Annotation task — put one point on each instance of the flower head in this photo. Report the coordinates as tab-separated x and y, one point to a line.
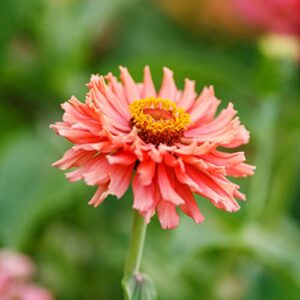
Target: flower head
167	142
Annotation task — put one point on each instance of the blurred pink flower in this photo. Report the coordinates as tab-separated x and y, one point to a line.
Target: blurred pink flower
167	140
15	265
16	271
31	292
275	16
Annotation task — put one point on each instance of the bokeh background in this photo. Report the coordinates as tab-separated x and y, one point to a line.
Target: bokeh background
48	50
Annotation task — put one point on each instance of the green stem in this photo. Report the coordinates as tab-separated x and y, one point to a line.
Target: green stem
138	233
266	121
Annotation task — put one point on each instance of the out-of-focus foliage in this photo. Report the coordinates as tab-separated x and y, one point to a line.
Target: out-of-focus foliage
48	49
209	17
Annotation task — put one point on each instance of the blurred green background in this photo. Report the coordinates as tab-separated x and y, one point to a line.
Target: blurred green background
48	50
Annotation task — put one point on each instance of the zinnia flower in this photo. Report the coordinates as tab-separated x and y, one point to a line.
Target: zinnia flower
167	142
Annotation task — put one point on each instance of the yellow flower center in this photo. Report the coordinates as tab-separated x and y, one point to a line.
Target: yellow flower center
158	120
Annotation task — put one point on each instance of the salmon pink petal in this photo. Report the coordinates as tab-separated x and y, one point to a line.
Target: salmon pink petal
98	173
190	206
100	195
148	214
77	112
155	154
203	165
183	177
95	178
94	171
104	146
115	127
205	107
120	177
124	158
118	104
73	158
232	162
167	188
188	97
170	160
98	90
211	190
225	159
145	171
131	89
222	120
195	148
241	170
168	88
107	113
118	90
167	215
224	130
239	195
81	123
143	196
226	185
241	137
76	136
148	89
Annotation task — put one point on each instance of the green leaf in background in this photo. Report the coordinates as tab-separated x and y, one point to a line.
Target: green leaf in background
7	24
139	286
30	190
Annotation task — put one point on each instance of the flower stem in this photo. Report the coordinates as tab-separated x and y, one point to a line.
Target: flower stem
138	233
266	121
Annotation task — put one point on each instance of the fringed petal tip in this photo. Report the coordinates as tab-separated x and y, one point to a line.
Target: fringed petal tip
55	164
99	196
167	215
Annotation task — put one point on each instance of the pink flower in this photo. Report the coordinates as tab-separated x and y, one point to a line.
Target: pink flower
276	16
16	271
30	292
24	291
15	265
167	141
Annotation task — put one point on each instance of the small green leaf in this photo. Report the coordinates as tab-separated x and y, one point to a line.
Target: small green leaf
139	286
